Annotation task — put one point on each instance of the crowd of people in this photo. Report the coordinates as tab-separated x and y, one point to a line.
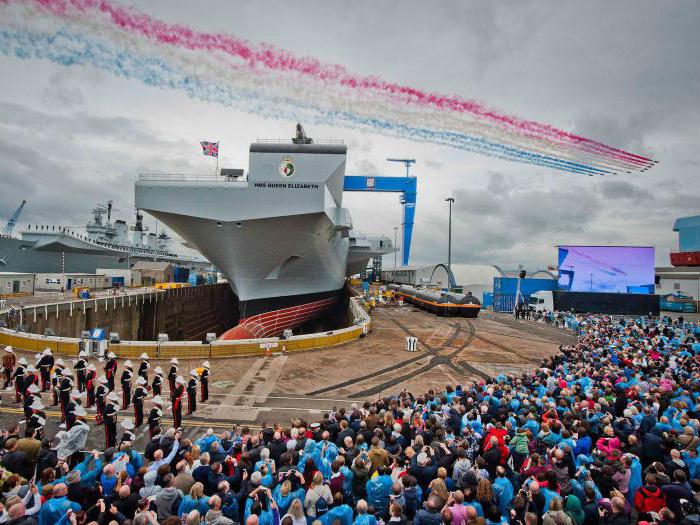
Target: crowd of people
606	432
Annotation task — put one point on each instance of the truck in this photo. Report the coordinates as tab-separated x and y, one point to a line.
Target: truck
594	302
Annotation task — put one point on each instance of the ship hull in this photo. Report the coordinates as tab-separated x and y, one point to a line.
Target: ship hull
271	316
19	255
280	238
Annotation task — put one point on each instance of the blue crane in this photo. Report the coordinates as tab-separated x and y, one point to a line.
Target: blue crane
406	186
10	226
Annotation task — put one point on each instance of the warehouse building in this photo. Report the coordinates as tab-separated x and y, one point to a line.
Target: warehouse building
677	280
12	283
63	282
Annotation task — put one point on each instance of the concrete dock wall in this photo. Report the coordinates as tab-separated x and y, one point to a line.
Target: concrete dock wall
185	314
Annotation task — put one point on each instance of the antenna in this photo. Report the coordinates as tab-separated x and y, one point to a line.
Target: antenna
406	162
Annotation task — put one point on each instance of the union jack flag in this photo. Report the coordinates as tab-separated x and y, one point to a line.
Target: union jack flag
210	148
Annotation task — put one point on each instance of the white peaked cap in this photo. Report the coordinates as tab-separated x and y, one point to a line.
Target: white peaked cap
30	368
113	396
111	355
82	353
8	349
59	362
193	373
36	405
47	351
102	379
127	423
79	411
144	356
180	379
140	381
33	388
91	366
40	421
205	364
157	400
75	393
174	360
158	370
22	361
38	355
127	363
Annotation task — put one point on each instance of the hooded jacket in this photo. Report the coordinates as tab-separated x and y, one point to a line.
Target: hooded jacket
165	501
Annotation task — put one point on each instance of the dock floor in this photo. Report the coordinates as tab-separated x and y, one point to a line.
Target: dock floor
253	390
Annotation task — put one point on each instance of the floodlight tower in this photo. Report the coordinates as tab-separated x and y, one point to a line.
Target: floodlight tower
406	162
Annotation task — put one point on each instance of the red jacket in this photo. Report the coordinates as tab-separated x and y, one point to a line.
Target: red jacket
649	499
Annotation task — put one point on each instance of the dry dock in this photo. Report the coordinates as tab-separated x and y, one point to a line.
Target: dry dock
253	390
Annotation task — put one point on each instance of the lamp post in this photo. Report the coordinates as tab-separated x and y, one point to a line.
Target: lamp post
396	228
449	243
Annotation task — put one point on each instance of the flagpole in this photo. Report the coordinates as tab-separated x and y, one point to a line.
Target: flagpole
216	172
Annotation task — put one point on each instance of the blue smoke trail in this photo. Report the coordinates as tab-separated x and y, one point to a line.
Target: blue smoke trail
69	49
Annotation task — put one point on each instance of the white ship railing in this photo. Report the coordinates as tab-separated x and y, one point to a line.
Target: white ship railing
294	141
189	177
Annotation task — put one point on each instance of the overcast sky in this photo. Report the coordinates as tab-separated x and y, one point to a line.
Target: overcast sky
625	73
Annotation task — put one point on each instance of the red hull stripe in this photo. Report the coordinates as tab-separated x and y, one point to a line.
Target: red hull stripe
270	324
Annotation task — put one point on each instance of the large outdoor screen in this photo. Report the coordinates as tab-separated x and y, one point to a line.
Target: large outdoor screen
613	269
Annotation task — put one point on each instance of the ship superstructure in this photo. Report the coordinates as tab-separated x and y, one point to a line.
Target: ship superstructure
101	243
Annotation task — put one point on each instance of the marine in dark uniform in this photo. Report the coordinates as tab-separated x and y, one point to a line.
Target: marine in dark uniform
18	377
56	377
140	394
111	370
81	370
157	384
192	393
176	399
172	374
90	384
45	365
65	387
101	393
143	367
30	378
30	397
36	423
71	408
128	435
127	374
110	419
154	417
204	381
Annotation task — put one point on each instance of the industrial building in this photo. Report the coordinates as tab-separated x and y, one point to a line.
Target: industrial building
678	280
12	283
63	282
154	272
122	276
688	253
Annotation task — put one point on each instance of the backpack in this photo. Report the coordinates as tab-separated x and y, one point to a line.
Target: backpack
321	506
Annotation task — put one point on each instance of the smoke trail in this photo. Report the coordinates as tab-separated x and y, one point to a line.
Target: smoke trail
234	78
67	49
272	58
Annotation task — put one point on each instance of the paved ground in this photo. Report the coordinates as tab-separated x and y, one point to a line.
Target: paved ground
279	387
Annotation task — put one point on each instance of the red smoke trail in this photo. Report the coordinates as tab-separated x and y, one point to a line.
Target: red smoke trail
277	59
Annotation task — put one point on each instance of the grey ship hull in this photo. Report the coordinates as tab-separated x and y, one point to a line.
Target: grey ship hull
71	256
280	239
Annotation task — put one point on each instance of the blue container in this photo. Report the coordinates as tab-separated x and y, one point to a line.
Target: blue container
488	300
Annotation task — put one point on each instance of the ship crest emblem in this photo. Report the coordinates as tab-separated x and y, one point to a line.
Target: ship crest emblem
286	168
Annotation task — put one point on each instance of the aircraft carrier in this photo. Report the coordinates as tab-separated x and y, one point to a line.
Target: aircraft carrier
101	243
279	234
